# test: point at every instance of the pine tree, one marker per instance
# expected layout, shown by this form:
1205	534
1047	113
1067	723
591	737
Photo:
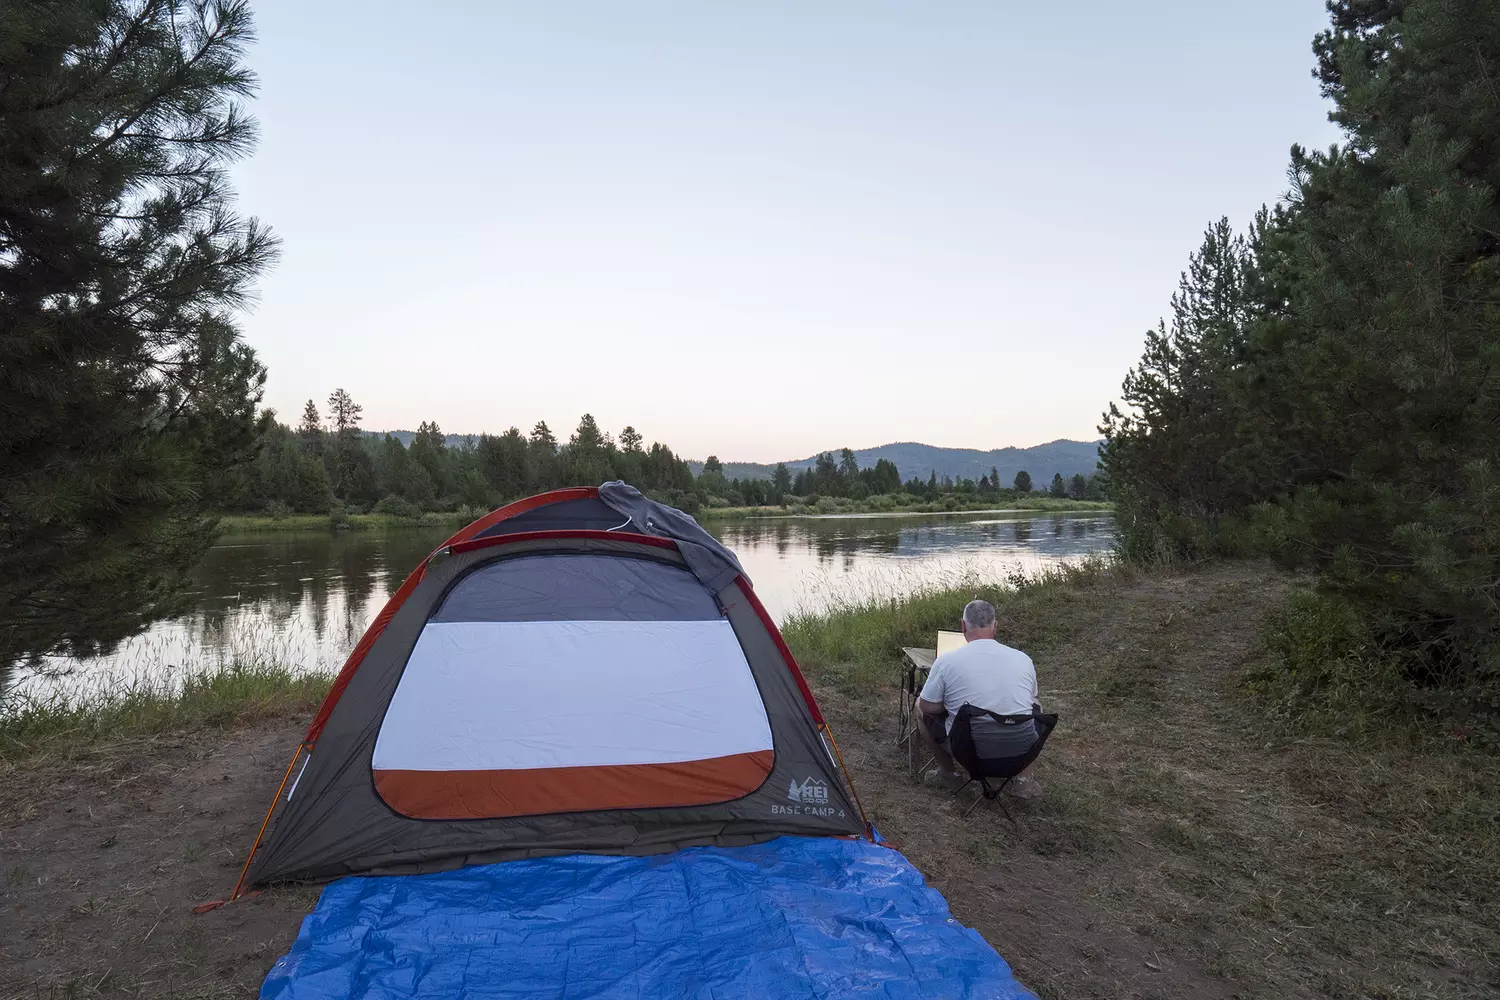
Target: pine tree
344	413
1380	372
127	400
429	449
311	427
1058	489
350	474
1023	482
542	463
1078	489
848	465
587	437
1175	453
630	441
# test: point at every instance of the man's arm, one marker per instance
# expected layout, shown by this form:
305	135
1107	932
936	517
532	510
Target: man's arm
930	701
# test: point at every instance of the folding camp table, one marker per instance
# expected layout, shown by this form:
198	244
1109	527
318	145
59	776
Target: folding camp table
916	664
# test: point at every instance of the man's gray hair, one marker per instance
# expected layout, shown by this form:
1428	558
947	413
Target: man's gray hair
979	614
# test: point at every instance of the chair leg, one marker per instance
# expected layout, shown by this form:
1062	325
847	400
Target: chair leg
1000	801
986	792
977	799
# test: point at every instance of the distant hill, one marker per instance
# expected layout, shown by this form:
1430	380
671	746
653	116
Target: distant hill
914	459
453	440
911	458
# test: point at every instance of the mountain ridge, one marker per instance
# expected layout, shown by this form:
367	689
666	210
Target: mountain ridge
1064	456
914	459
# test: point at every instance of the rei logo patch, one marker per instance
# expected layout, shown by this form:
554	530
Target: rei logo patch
812	792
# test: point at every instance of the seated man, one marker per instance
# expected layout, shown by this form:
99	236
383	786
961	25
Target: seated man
988	675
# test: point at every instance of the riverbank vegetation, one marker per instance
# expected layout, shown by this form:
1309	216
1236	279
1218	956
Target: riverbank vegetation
394	517
1327	390
341	471
63	723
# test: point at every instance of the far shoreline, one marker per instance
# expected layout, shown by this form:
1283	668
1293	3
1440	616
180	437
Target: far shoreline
249	524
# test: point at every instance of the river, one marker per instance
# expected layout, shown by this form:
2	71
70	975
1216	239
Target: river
304	599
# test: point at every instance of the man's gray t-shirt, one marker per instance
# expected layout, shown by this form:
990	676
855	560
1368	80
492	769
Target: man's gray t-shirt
983	673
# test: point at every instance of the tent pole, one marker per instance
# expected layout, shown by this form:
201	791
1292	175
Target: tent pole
869	830
267	821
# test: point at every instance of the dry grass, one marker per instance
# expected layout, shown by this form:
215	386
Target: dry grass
1186	846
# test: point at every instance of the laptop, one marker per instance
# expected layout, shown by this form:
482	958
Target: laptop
949	641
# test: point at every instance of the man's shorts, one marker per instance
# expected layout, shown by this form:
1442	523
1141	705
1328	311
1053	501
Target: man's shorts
937	726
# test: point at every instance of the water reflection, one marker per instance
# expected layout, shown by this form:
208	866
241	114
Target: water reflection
304	600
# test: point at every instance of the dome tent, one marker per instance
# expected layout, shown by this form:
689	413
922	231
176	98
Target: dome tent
581	671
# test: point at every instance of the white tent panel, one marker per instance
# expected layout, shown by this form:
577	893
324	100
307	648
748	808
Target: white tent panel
518	695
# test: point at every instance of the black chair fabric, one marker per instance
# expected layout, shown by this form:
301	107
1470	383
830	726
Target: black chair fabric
963	746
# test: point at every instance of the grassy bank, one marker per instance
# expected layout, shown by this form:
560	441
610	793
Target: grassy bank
230	697
237	524
856	644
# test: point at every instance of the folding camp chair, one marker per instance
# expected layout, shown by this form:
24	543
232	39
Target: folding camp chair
981	769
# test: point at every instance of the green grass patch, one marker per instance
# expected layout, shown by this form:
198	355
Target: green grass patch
234	695
1072	818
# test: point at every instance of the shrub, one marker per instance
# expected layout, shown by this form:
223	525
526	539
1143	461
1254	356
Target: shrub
1322	668
338	518
394	506
278	509
1329	665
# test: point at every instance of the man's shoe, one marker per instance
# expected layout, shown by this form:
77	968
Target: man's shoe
943	779
1025	788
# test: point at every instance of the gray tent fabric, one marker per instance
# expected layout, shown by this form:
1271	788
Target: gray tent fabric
706	556
337	824
577	587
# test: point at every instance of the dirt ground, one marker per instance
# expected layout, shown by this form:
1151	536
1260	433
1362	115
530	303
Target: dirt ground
1178	851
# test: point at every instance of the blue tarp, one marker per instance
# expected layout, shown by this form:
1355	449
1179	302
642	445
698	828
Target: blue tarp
798	917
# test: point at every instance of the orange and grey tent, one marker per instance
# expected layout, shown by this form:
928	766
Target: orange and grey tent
581	671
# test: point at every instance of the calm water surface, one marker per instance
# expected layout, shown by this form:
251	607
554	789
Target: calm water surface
304	599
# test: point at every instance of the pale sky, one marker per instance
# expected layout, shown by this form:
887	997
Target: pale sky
755	229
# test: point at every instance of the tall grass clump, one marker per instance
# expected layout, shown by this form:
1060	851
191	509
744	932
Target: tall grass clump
855	642
1326	672
215	699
